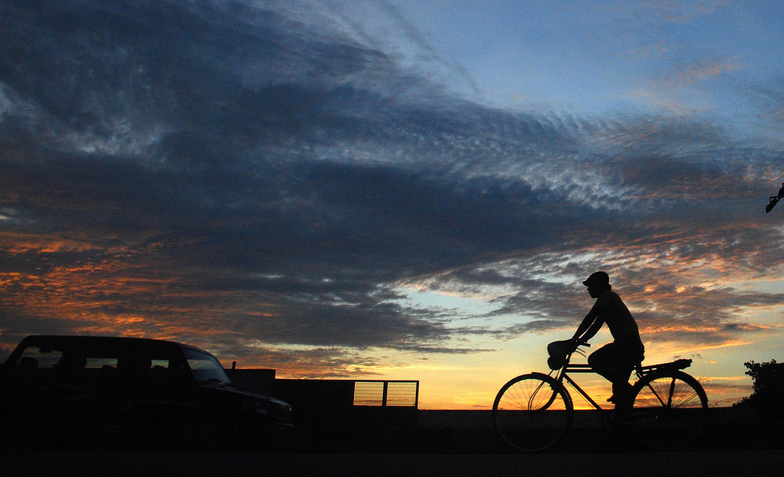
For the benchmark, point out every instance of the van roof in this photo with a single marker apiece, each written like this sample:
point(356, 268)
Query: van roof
point(102, 342)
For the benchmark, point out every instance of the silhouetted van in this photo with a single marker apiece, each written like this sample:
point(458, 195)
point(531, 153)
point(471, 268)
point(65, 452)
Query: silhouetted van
point(56, 380)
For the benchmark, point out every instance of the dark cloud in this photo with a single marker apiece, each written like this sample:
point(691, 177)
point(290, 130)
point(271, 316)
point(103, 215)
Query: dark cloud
point(222, 172)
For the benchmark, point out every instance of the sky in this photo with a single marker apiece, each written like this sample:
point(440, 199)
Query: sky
point(382, 189)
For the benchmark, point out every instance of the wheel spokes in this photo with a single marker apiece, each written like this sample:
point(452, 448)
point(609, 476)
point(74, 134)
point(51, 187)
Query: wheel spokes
point(669, 410)
point(531, 412)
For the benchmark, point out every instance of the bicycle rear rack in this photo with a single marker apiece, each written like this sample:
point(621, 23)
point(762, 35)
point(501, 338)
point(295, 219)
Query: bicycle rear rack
point(671, 366)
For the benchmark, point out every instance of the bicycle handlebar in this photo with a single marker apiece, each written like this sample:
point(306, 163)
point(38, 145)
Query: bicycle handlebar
point(582, 343)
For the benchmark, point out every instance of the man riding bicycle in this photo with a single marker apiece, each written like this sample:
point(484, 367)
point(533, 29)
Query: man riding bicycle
point(666, 407)
point(614, 361)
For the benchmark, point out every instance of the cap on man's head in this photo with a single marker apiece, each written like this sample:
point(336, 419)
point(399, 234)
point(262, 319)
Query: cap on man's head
point(597, 278)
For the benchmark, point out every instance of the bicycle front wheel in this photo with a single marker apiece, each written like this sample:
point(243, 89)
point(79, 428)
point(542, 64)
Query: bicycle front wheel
point(670, 409)
point(532, 412)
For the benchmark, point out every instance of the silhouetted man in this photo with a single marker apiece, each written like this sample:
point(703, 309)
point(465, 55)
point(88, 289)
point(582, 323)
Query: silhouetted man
point(614, 361)
point(774, 199)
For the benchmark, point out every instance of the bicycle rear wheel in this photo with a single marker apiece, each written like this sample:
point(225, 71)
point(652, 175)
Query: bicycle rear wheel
point(532, 412)
point(669, 410)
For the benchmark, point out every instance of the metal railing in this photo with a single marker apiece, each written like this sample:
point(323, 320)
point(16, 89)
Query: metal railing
point(386, 393)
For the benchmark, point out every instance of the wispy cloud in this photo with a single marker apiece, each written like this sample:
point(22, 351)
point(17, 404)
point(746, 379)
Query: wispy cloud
point(224, 173)
point(676, 11)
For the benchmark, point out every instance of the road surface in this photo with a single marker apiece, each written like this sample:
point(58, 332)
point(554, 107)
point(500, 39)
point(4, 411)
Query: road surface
point(757, 463)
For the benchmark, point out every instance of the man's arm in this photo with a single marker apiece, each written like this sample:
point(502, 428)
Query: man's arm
point(595, 327)
point(591, 325)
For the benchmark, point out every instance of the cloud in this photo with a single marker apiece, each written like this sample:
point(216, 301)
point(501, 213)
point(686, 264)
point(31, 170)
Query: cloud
point(767, 101)
point(225, 173)
point(704, 69)
point(674, 11)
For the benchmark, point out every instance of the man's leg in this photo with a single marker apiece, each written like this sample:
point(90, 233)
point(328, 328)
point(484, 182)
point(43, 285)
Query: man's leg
point(603, 360)
point(622, 390)
point(610, 362)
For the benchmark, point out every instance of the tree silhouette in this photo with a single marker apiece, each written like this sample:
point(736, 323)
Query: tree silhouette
point(774, 199)
point(767, 400)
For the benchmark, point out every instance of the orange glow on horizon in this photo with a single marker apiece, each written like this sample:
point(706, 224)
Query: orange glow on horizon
point(118, 292)
point(696, 349)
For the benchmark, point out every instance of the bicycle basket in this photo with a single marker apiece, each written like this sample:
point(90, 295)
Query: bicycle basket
point(558, 350)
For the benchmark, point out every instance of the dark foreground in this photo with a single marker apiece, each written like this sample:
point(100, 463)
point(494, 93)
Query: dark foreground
point(442, 443)
point(204, 463)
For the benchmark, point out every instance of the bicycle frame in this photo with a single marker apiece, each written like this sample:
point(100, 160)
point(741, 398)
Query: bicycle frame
point(577, 369)
point(640, 372)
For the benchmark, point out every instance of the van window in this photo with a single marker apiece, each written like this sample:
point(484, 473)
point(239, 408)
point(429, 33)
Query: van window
point(98, 363)
point(35, 357)
point(205, 368)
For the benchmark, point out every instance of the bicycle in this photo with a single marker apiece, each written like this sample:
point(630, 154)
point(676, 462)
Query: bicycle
point(532, 412)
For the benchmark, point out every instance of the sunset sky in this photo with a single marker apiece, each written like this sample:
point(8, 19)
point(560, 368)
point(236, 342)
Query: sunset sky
point(389, 189)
